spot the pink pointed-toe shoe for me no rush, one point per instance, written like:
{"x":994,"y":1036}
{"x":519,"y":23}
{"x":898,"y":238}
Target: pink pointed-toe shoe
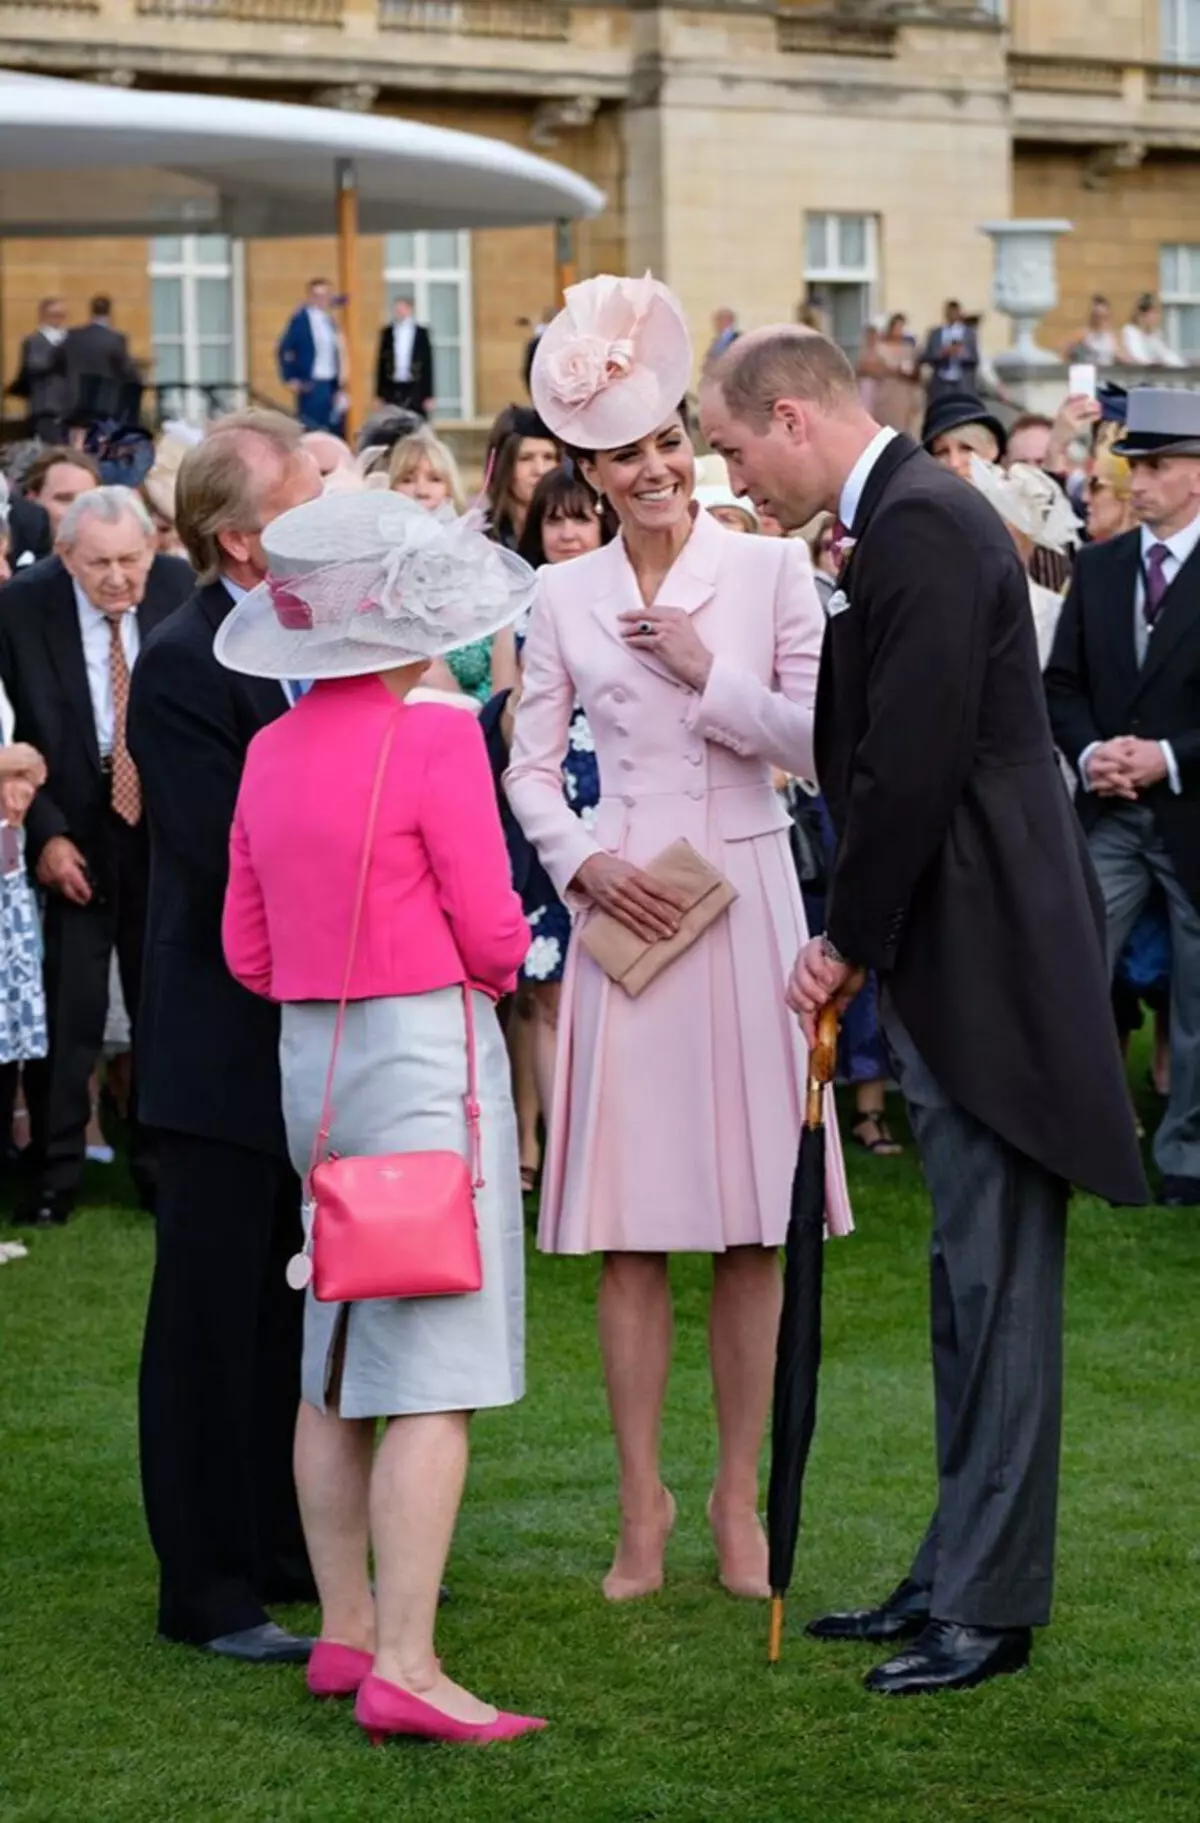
{"x":384,"y":1709}
{"x":335,"y":1670}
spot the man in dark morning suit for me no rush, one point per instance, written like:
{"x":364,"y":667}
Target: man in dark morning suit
{"x":220,"y":1377}
{"x":41,"y":379}
{"x":100,"y":369}
{"x":962,"y":878}
{"x":30,"y":536}
{"x":404,"y":367}
{"x":70,"y":631}
{"x":1123,"y":684}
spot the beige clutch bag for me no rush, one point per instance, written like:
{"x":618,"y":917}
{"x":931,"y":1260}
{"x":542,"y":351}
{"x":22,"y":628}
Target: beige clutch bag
{"x":630,"y":960}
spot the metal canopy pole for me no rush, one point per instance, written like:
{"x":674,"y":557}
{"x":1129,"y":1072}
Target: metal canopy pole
{"x":347,"y":238}
{"x":565,"y":270}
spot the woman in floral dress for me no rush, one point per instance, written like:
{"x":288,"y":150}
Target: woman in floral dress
{"x":22,"y":1001}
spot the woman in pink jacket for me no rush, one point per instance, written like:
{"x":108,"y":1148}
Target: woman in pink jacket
{"x":363,"y":590}
{"x":676,"y":1116}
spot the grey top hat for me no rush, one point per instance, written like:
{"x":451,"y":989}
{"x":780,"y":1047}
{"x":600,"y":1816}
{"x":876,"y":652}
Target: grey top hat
{"x":1161,"y":422}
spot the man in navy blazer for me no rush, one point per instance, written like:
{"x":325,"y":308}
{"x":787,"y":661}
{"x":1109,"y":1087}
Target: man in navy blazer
{"x":310,"y":359}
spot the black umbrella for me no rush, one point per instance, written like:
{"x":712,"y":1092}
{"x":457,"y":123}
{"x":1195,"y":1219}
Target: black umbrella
{"x":798,"y":1351}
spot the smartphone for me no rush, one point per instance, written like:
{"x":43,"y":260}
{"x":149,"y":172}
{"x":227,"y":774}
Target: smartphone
{"x":1081,"y":380}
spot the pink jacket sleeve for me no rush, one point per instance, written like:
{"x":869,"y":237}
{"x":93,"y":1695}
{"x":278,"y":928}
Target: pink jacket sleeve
{"x":244,"y":924}
{"x":460,"y":826}
{"x":534,"y":780}
{"x":742,"y":713}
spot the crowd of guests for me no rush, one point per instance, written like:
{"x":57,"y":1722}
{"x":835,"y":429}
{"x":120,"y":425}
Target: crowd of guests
{"x":215,"y":780}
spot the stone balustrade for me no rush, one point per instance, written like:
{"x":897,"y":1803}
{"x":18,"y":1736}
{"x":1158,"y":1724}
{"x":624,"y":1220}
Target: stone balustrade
{"x":1066,"y":75}
{"x":1043,"y":389}
{"x":537,"y":19}
{"x":248,"y":12}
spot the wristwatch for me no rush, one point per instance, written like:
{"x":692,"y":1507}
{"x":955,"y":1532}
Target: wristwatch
{"x":832,"y":953}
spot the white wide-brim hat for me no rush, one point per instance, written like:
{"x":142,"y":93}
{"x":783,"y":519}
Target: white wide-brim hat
{"x":363,"y":582}
{"x":1029,"y":500}
{"x":614,"y":364}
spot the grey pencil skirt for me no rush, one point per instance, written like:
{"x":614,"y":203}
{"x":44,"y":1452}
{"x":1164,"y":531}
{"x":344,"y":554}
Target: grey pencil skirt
{"x":401,"y":1079}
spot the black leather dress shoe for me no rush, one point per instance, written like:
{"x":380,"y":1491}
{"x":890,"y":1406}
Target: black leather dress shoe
{"x":946,"y":1656}
{"x":265,"y":1645}
{"x":1180,"y":1193}
{"x":46,"y":1209}
{"x":902,"y":1615}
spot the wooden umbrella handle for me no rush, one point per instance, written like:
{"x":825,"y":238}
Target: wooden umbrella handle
{"x":822,"y":1065}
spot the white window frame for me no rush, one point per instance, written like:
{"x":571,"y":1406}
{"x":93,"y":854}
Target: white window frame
{"x":1174,"y":299}
{"x":420,"y":275}
{"x":1176,"y":46}
{"x":836,"y":271}
{"x":187,"y":269}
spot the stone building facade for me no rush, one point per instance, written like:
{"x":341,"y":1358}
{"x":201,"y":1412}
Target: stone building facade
{"x":754,"y":153}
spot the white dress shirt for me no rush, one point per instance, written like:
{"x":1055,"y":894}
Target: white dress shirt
{"x":856,"y":480}
{"x":56,"y":337}
{"x":325,"y":345}
{"x":404,"y":334}
{"x":97,"y":658}
{"x":1179,"y":548}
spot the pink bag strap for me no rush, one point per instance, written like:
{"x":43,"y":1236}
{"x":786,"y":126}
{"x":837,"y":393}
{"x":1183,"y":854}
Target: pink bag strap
{"x":321,"y":1139}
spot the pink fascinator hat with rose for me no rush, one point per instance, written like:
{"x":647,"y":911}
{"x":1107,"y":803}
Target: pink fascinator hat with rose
{"x":614,"y":364}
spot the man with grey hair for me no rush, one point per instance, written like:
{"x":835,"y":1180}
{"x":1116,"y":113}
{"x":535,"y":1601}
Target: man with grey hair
{"x":962,"y":879}
{"x":71,"y":628}
{"x":220,"y":1382}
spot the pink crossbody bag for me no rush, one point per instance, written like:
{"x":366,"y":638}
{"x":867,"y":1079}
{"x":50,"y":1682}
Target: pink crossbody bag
{"x":401,"y":1225}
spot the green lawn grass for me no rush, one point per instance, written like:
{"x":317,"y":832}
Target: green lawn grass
{"x":660,"y":1710}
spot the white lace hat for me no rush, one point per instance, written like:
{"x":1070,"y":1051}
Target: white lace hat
{"x":362,"y":582}
{"x":1029,"y":500}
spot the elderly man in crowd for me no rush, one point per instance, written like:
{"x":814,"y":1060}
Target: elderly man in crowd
{"x":221,"y":1361}
{"x":71,"y":628}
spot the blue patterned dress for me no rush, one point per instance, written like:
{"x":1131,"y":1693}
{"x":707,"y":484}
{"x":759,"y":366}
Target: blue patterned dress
{"x":22,"y":1000}
{"x":549,"y":919}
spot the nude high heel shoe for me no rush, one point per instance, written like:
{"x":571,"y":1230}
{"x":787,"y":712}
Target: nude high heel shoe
{"x":743,"y":1574}
{"x":620,"y":1587}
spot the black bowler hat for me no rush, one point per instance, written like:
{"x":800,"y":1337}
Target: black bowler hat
{"x":951,"y":410}
{"x":1160,"y":422}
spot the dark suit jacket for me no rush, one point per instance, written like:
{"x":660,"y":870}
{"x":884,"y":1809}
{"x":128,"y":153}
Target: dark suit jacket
{"x":421,"y":384}
{"x":97,"y":350}
{"x":964,"y":350}
{"x":1096,"y":691}
{"x":961,"y":874}
{"x":209,"y":1049}
{"x":43,"y":671}
{"x":28,"y":530}
{"x":42,"y":377}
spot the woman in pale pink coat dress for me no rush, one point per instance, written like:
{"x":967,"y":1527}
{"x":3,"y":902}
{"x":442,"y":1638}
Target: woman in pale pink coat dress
{"x":676,"y":1116}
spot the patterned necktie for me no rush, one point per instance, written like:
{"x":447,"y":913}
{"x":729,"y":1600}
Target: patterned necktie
{"x":1156,"y":582}
{"x":837,"y":547}
{"x":126,"y":786}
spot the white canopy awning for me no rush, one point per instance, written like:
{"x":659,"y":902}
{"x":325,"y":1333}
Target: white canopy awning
{"x":80,"y":158}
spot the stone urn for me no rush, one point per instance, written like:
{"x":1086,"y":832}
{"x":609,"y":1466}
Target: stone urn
{"x":1025,"y":284}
